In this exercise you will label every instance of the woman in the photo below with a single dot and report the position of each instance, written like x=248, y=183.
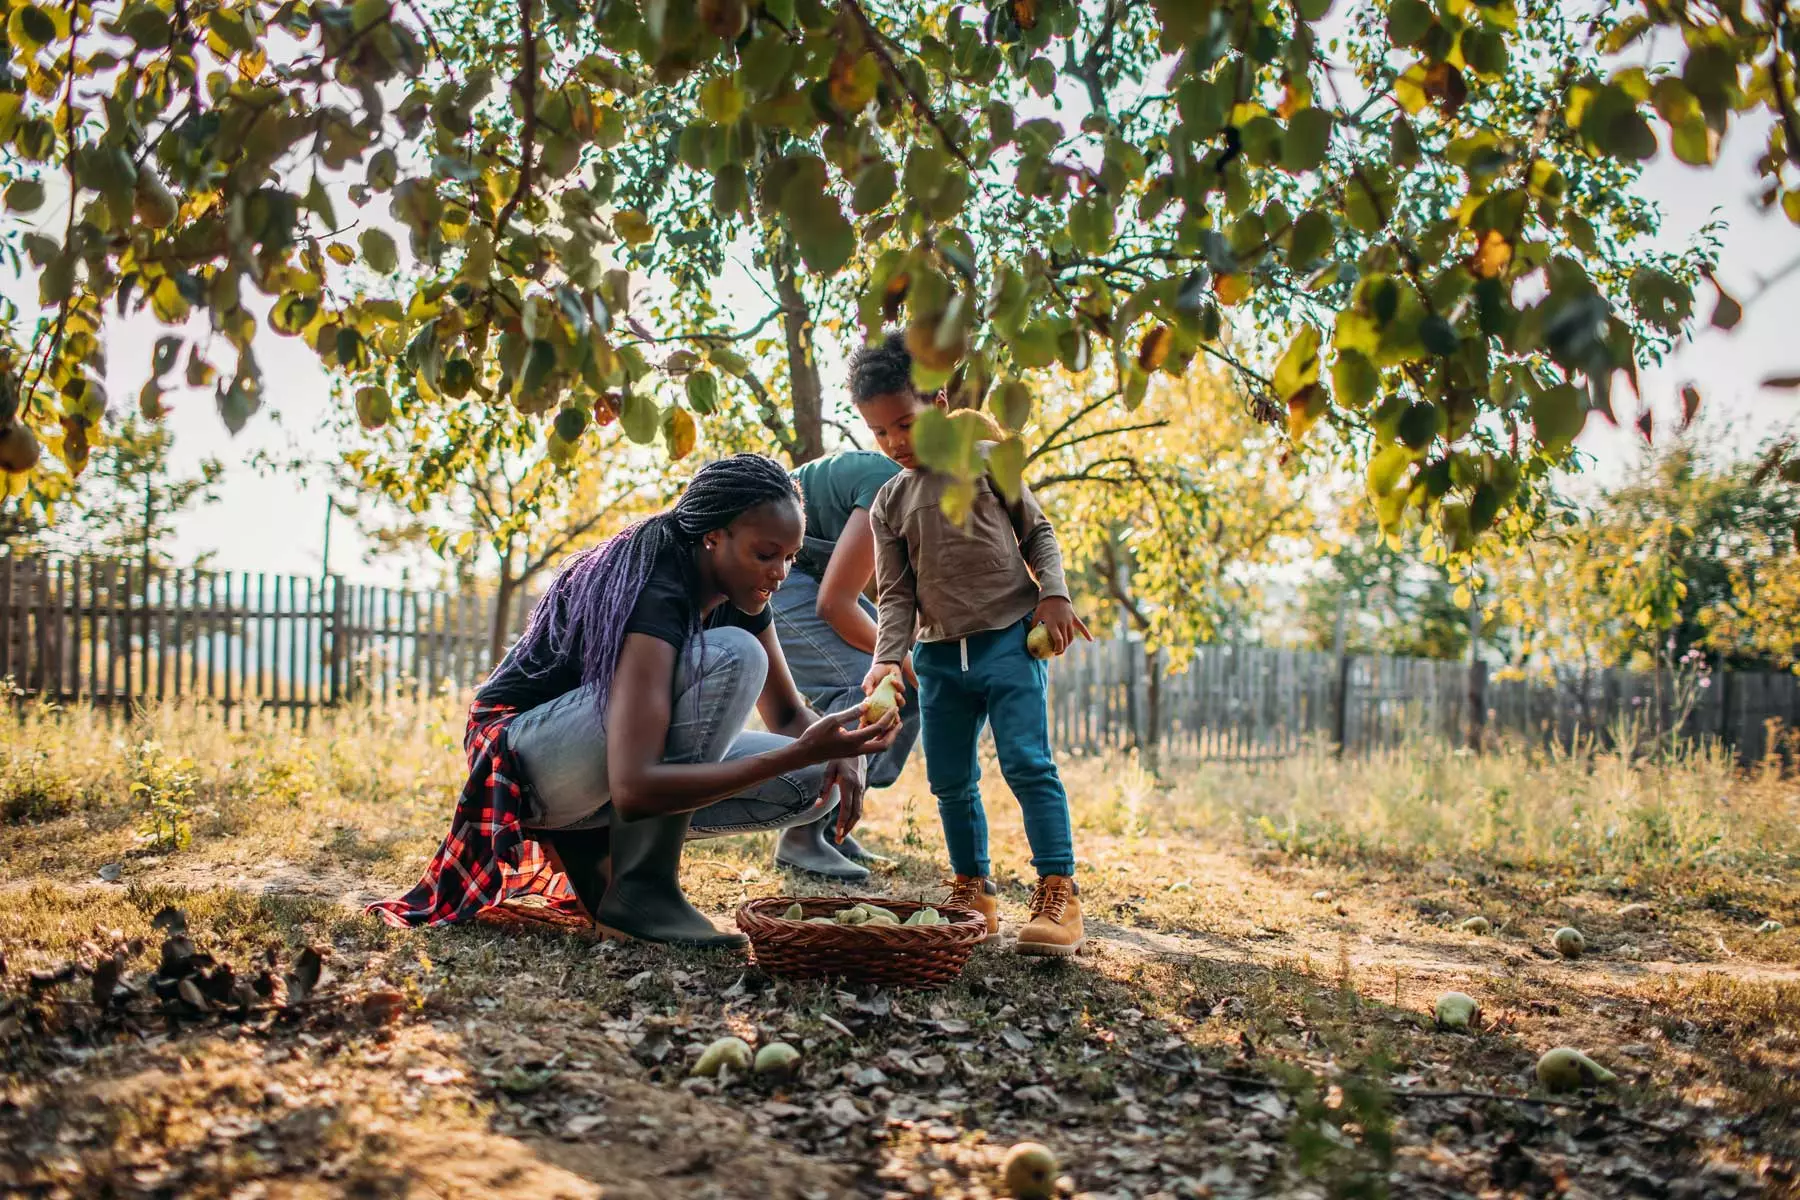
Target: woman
x=827, y=628
x=614, y=728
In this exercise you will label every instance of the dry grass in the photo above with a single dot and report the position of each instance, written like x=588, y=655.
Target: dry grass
x=1292, y=921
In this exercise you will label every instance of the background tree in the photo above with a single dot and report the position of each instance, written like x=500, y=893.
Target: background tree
x=1374, y=594
x=1424, y=205
x=1691, y=552
x=467, y=487
x=129, y=502
x=1171, y=522
x=126, y=506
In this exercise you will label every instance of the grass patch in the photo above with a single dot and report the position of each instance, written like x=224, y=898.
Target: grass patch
x=1253, y=1015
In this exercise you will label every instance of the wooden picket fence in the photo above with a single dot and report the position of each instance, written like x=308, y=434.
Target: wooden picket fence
x=112, y=635
x=1249, y=704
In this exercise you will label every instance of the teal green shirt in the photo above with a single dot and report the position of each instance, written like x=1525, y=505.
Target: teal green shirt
x=839, y=484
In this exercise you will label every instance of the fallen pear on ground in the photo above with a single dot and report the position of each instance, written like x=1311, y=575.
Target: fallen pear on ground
x=776, y=1061
x=1029, y=1171
x=732, y=1052
x=1456, y=1010
x=1479, y=926
x=1568, y=942
x=1566, y=1069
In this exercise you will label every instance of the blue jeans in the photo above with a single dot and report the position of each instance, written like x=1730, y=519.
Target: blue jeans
x=963, y=685
x=829, y=671
x=561, y=746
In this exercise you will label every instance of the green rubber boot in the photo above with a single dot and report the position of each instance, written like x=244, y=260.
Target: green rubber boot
x=645, y=902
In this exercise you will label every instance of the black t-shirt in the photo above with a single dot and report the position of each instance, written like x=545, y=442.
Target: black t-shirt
x=532, y=673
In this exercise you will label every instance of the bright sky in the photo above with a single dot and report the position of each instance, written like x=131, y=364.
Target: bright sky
x=276, y=522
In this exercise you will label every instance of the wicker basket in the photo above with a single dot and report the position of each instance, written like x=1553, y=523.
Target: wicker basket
x=901, y=956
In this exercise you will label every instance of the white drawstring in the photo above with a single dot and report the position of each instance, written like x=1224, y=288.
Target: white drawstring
x=964, y=643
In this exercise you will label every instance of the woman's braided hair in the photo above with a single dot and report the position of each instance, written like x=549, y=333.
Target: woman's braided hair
x=583, y=615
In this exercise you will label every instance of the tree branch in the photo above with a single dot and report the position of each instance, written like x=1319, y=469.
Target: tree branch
x=30, y=388
x=1086, y=475
x=849, y=434
x=1100, y=433
x=646, y=339
x=525, y=84
x=1120, y=596
x=771, y=418
x=878, y=43
x=1784, y=96
x=1069, y=424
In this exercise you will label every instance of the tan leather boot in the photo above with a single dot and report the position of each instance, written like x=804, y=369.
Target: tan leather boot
x=977, y=892
x=1055, y=927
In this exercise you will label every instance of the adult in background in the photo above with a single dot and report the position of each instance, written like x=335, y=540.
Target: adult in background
x=613, y=730
x=827, y=628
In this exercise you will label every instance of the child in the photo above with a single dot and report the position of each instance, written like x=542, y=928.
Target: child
x=973, y=593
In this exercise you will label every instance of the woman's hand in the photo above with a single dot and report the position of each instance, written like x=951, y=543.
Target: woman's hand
x=847, y=775
x=833, y=736
x=1058, y=616
x=829, y=740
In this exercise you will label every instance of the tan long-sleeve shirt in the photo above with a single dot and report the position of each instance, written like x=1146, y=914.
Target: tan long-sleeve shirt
x=952, y=582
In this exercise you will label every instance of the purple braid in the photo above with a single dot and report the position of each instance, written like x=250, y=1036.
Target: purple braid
x=585, y=611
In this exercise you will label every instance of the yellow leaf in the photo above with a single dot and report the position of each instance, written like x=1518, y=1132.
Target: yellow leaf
x=681, y=432
x=1231, y=289
x=1154, y=348
x=1491, y=256
x=633, y=226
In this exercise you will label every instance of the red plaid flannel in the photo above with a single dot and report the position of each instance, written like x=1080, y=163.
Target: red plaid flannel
x=487, y=858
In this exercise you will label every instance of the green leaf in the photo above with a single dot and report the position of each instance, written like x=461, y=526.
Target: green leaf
x=1312, y=236
x=1308, y=137
x=875, y=185
x=638, y=417
x=1408, y=21
x=702, y=389
x=1006, y=461
x=25, y=195
x=1438, y=335
x=721, y=100
x=1011, y=403
x=1041, y=75
x=373, y=407
x=379, y=251
x=1387, y=468
x=1355, y=379
x=944, y=444
x=1558, y=415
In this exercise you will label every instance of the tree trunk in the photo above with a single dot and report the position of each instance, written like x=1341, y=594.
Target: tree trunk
x=803, y=367
x=1150, y=749
x=504, y=590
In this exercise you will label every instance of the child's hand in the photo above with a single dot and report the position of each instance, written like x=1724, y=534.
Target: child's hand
x=879, y=672
x=1058, y=616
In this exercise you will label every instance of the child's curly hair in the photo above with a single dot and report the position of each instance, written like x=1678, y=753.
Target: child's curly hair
x=884, y=368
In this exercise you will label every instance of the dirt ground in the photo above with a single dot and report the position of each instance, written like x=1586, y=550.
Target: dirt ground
x=1215, y=1041
x=1252, y=1014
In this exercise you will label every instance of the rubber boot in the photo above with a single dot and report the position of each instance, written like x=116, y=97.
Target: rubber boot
x=856, y=852
x=805, y=848
x=645, y=901
x=583, y=856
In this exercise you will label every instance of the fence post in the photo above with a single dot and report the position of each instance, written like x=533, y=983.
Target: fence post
x=1478, y=674
x=334, y=677
x=1340, y=705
